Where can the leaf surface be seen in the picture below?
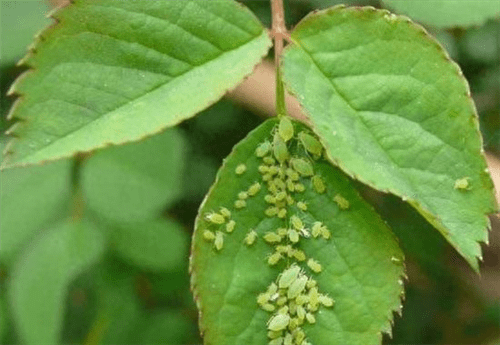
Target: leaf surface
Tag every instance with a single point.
(40, 279)
(395, 113)
(112, 71)
(445, 13)
(357, 271)
(137, 181)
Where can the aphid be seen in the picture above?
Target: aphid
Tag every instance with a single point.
(316, 229)
(302, 205)
(263, 298)
(293, 235)
(282, 300)
(280, 150)
(288, 276)
(271, 211)
(299, 187)
(462, 183)
(293, 307)
(325, 300)
(268, 307)
(290, 185)
(269, 160)
(311, 283)
(310, 143)
(208, 235)
(272, 288)
(270, 199)
(272, 237)
(250, 237)
(325, 233)
(274, 334)
(296, 222)
(242, 195)
(240, 169)
(278, 322)
(267, 177)
(314, 265)
(301, 312)
(273, 170)
(215, 218)
(318, 184)
(254, 189)
(263, 169)
(274, 258)
(240, 204)
(302, 299)
(283, 310)
(293, 175)
(282, 231)
(310, 318)
(285, 129)
(288, 338)
(313, 298)
(289, 200)
(302, 166)
(304, 232)
(280, 196)
(225, 212)
(263, 149)
(299, 336)
(342, 202)
(296, 287)
(276, 341)
(282, 213)
(219, 240)
(299, 255)
(279, 183)
(230, 226)
(294, 323)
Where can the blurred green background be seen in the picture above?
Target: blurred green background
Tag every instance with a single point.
(119, 275)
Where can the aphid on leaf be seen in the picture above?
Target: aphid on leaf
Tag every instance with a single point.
(282, 231)
(288, 338)
(282, 213)
(268, 307)
(263, 169)
(342, 202)
(274, 334)
(280, 150)
(274, 258)
(219, 240)
(280, 196)
(299, 254)
(299, 187)
(462, 184)
(311, 283)
(250, 237)
(285, 129)
(305, 233)
(297, 286)
(314, 265)
(310, 318)
(263, 298)
(271, 211)
(325, 300)
(208, 235)
(296, 222)
(267, 177)
(272, 288)
(302, 166)
(316, 229)
(215, 218)
(283, 310)
(273, 170)
(299, 336)
(318, 184)
(263, 149)
(270, 199)
(281, 301)
(302, 299)
(293, 235)
(288, 276)
(289, 200)
(290, 185)
(230, 226)
(278, 322)
(310, 143)
(242, 195)
(269, 160)
(294, 323)
(240, 169)
(272, 237)
(301, 312)
(254, 189)
(302, 205)
(239, 204)
(225, 212)
(313, 298)
(276, 341)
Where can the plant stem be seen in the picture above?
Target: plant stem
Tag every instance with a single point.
(278, 33)
(77, 197)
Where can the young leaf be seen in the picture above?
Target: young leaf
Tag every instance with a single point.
(40, 278)
(395, 113)
(111, 72)
(357, 254)
(153, 245)
(445, 13)
(137, 181)
(30, 198)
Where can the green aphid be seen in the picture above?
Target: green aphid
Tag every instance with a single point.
(272, 288)
(292, 174)
(263, 298)
(283, 310)
(462, 184)
(279, 183)
(239, 204)
(325, 300)
(280, 150)
(240, 169)
(318, 184)
(267, 177)
(310, 318)
(271, 186)
(293, 235)
(230, 226)
(290, 185)
(302, 166)
(208, 235)
(254, 189)
(301, 312)
(299, 255)
(314, 265)
(263, 169)
(219, 240)
(310, 284)
(289, 200)
(263, 149)
(310, 143)
(316, 229)
(282, 213)
(299, 188)
(342, 202)
(294, 323)
(302, 206)
(282, 300)
(270, 199)
(268, 160)
(276, 341)
(297, 286)
(225, 212)
(299, 336)
(288, 276)
(273, 170)
(215, 218)
(271, 211)
(302, 299)
(313, 298)
(250, 237)
(325, 233)
(296, 222)
(278, 322)
(242, 195)
(280, 196)
(274, 258)
(282, 232)
(268, 307)
(293, 307)
(285, 129)
(288, 340)
(272, 237)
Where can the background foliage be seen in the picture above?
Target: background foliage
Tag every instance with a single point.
(123, 287)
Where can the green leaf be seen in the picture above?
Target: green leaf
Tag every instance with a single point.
(153, 245)
(446, 13)
(40, 278)
(395, 113)
(360, 269)
(111, 72)
(31, 198)
(165, 327)
(137, 181)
